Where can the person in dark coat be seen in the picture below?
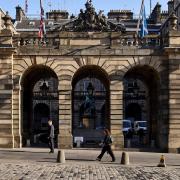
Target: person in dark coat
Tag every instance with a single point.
(51, 136)
(106, 146)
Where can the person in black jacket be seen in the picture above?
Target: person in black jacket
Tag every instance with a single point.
(51, 136)
(106, 146)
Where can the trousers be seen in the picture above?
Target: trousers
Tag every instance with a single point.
(51, 144)
(108, 149)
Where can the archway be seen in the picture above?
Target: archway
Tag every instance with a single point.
(140, 103)
(133, 111)
(39, 102)
(41, 115)
(90, 105)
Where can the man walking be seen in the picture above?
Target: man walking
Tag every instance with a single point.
(51, 136)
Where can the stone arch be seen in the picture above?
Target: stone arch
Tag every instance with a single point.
(21, 66)
(27, 82)
(150, 76)
(98, 78)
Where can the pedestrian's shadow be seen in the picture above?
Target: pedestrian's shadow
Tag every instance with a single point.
(72, 159)
(178, 165)
(47, 161)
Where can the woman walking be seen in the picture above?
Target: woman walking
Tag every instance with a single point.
(106, 146)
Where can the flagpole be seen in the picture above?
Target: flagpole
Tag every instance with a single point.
(137, 30)
(26, 6)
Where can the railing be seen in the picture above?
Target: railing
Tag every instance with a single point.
(150, 41)
(51, 42)
(43, 96)
(96, 94)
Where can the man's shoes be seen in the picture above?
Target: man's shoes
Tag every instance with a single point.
(51, 152)
(98, 159)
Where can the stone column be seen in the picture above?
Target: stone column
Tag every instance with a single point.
(6, 130)
(116, 113)
(65, 117)
(6, 59)
(174, 102)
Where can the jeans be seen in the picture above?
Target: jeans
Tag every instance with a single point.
(51, 144)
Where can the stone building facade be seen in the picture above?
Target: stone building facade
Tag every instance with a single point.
(109, 54)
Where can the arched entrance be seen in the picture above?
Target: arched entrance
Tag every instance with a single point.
(39, 102)
(133, 111)
(90, 105)
(141, 105)
(41, 116)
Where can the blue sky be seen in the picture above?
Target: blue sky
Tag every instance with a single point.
(73, 6)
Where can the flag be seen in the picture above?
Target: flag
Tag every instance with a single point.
(42, 28)
(26, 6)
(144, 29)
(42, 9)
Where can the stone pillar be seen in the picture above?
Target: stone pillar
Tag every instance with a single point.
(6, 59)
(116, 113)
(6, 131)
(174, 101)
(65, 140)
(16, 115)
(163, 112)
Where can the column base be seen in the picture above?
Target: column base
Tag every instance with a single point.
(65, 141)
(6, 141)
(118, 141)
(17, 141)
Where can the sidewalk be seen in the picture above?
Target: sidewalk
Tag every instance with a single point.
(88, 156)
(38, 164)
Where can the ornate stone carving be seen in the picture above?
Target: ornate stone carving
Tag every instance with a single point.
(173, 21)
(89, 20)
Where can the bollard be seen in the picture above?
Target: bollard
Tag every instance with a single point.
(61, 156)
(78, 144)
(28, 143)
(162, 162)
(125, 158)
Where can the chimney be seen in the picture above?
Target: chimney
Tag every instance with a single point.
(57, 15)
(156, 14)
(170, 6)
(19, 13)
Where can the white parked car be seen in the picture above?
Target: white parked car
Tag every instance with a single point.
(127, 126)
(140, 125)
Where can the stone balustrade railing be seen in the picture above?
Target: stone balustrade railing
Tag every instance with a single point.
(150, 41)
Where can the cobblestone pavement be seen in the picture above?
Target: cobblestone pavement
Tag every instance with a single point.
(38, 164)
(93, 171)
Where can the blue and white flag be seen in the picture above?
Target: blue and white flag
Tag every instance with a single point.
(144, 29)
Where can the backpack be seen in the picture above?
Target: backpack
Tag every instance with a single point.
(109, 140)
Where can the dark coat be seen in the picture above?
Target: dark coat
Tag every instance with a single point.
(107, 140)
